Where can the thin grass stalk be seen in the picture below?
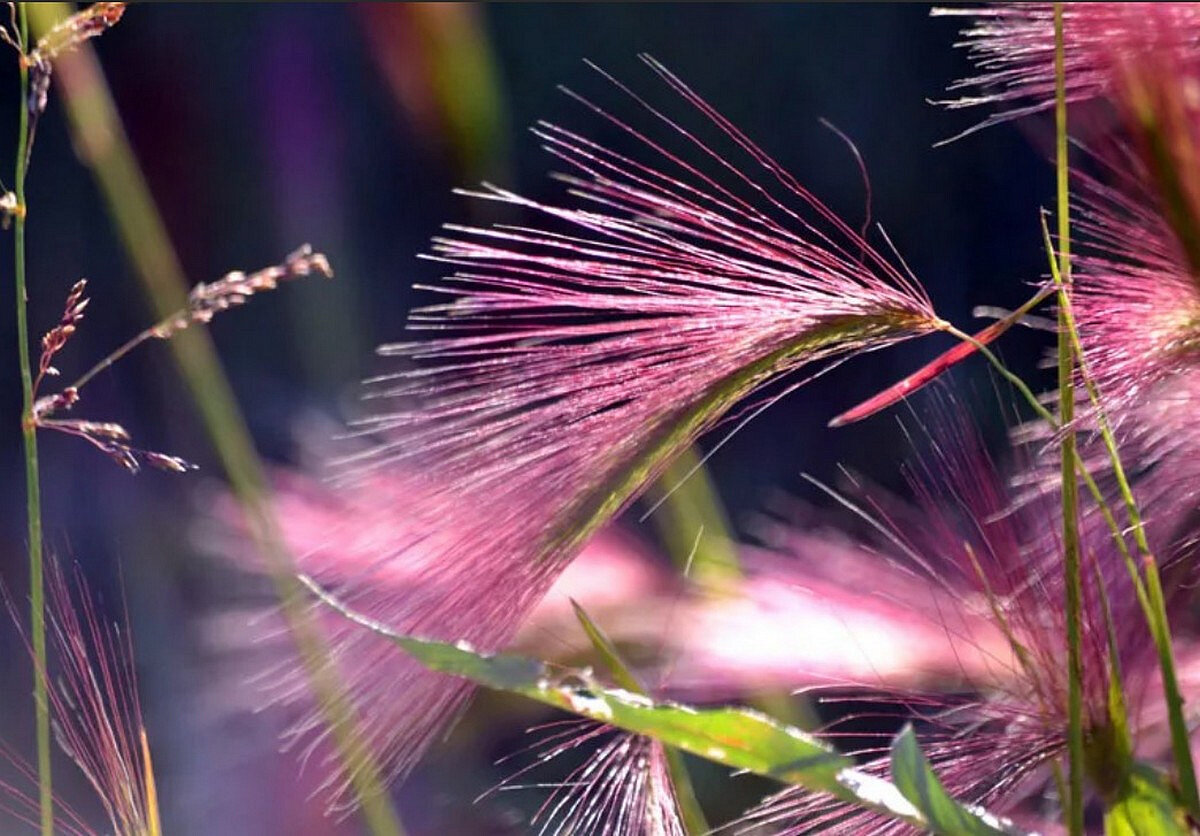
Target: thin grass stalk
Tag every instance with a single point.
(102, 141)
(692, 523)
(1149, 590)
(1088, 480)
(37, 604)
(1068, 452)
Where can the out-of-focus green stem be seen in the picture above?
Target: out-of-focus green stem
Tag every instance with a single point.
(1068, 452)
(37, 606)
(692, 523)
(101, 140)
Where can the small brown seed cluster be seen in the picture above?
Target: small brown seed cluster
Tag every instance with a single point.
(64, 37)
(204, 302)
(74, 30)
(57, 337)
(233, 289)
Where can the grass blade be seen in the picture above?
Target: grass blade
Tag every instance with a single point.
(736, 737)
(915, 779)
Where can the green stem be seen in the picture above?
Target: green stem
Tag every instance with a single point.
(1070, 485)
(674, 433)
(1150, 592)
(692, 523)
(102, 143)
(37, 612)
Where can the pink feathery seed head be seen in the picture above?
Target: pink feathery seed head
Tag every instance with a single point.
(577, 355)
(984, 559)
(623, 787)
(96, 709)
(365, 539)
(1136, 302)
(796, 624)
(1012, 47)
(1137, 307)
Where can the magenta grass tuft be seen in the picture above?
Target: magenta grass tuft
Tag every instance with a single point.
(993, 742)
(1012, 48)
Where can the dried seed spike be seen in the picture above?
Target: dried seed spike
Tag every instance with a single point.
(54, 339)
(74, 30)
(106, 429)
(204, 302)
(172, 463)
(124, 457)
(235, 287)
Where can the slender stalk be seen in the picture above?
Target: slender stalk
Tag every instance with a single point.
(37, 605)
(1069, 454)
(102, 142)
(1150, 592)
(126, 347)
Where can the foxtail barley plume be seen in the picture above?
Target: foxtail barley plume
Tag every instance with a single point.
(576, 354)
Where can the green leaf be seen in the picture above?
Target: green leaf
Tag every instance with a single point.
(737, 737)
(685, 796)
(915, 780)
(603, 645)
(1147, 807)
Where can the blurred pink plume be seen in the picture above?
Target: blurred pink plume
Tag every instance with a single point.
(993, 733)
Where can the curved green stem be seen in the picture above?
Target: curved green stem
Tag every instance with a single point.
(37, 606)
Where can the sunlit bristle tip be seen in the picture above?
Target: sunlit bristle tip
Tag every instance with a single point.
(623, 787)
(1012, 48)
(96, 714)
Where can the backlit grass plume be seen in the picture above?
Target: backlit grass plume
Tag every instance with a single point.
(96, 713)
(1012, 48)
(622, 788)
(1137, 302)
(577, 354)
(994, 739)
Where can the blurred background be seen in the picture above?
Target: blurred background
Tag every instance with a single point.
(261, 127)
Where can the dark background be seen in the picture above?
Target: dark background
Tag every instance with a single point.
(262, 127)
